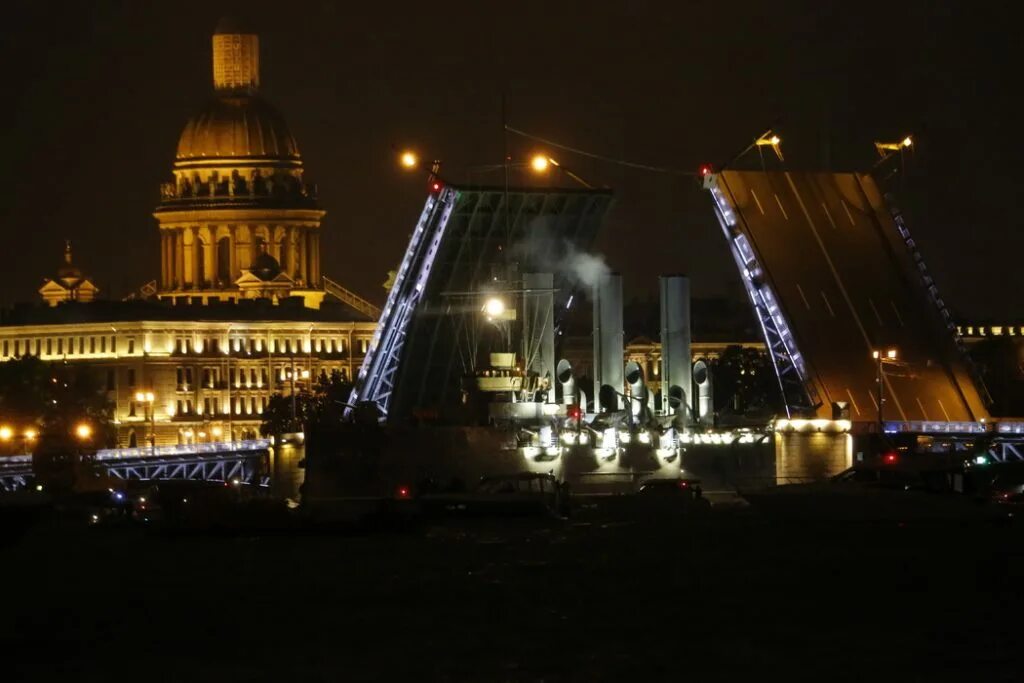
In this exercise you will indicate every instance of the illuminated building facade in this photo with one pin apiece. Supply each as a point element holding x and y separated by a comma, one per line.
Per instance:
<point>240,311</point>
<point>238,219</point>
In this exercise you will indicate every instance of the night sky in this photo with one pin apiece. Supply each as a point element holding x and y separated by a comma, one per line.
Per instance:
<point>96,95</point>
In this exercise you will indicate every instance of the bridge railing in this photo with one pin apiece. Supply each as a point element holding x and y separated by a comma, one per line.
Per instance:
<point>184,449</point>
<point>349,297</point>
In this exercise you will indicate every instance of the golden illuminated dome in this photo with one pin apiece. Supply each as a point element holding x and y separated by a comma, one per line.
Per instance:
<point>237,126</point>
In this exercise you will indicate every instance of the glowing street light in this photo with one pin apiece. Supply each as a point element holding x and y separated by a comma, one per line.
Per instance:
<point>6,433</point>
<point>83,431</point>
<point>882,358</point>
<point>409,160</point>
<point>147,398</point>
<point>540,163</point>
<point>494,308</point>
<point>772,140</point>
<point>31,434</point>
<point>886,148</point>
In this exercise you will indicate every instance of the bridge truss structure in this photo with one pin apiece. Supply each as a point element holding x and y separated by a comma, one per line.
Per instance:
<point>461,237</point>
<point>245,461</point>
<point>834,276</point>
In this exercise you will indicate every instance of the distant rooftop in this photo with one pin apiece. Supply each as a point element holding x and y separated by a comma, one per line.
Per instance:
<point>290,309</point>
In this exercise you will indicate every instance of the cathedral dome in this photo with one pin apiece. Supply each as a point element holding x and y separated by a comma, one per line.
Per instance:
<point>265,267</point>
<point>234,127</point>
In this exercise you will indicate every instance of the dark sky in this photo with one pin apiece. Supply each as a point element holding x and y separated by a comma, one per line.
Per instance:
<point>96,94</point>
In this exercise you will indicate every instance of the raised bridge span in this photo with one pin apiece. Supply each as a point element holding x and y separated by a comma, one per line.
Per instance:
<point>833,275</point>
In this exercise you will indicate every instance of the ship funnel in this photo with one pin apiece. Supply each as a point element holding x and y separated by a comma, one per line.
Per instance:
<point>539,330</point>
<point>608,342</point>
<point>637,389</point>
<point>563,373</point>
<point>705,397</point>
<point>676,379</point>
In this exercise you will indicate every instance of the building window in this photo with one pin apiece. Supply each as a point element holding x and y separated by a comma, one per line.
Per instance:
<point>206,406</point>
<point>60,347</point>
<point>231,377</point>
<point>188,407</point>
<point>179,411</point>
<point>131,408</point>
<point>103,344</point>
<point>81,344</point>
<point>49,347</point>
<point>131,377</point>
<point>252,404</point>
<point>113,344</point>
<point>131,346</point>
<point>188,376</point>
<point>92,344</point>
<point>180,375</point>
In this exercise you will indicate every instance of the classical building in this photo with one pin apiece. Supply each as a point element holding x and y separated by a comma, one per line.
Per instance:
<point>241,309</point>
<point>69,284</point>
<point>238,199</point>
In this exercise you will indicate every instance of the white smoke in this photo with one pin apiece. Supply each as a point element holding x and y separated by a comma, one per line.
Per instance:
<point>546,252</point>
<point>585,268</point>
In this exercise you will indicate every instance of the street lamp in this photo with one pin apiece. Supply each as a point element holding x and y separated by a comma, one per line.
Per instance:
<point>772,140</point>
<point>883,147</point>
<point>540,163</point>
<point>146,398</point>
<point>494,307</point>
<point>409,160</point>
<point>889,356</point>
<point>83,430</point>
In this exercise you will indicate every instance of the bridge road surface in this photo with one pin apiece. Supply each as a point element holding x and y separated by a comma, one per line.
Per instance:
<point>848,286</point>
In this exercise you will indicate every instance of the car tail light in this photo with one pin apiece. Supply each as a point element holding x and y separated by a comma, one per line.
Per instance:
<point>890,458</point>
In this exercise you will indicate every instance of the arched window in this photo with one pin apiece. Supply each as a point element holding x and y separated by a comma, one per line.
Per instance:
<point>133,441</point>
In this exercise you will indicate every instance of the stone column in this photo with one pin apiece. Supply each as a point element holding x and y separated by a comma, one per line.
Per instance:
<point>315,274</point>
<point>233,250</point>
<point>179,258</point>
<point>163,259</point>
<point>289,235</point>
<point>302,255</point>
<point>198,260</point>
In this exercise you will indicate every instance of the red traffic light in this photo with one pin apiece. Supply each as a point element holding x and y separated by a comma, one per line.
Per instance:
<point>403,492</point>
<point>890,458</point>
<point>436,186</point>
<point>706,170</point>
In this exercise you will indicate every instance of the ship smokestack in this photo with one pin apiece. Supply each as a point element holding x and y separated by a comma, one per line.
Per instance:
<point>608,343</point>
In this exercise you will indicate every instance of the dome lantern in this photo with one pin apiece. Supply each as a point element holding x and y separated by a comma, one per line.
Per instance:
<point>236,58</point>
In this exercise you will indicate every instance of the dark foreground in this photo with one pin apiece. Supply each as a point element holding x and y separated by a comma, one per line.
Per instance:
<point>729,597</point>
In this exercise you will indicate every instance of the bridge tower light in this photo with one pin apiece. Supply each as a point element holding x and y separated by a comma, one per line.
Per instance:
<point>884,149</point>
<point>772,140</point>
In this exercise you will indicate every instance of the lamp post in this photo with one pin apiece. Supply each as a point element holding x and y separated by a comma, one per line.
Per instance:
<point>146,398</point>
<point>28,436</point>
<point>889,356</point>
<point>292,375</point>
